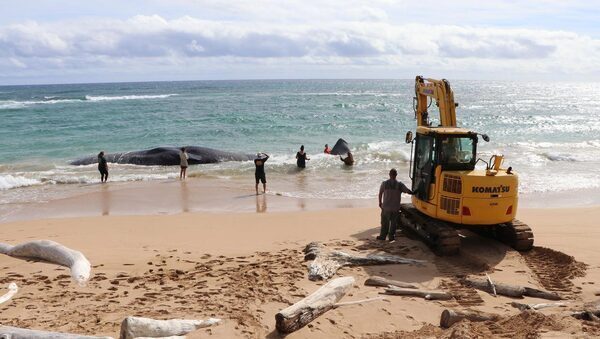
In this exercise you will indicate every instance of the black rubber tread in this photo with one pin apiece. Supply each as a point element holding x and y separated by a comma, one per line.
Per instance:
<point>516,234</point>
<point>438,235</point>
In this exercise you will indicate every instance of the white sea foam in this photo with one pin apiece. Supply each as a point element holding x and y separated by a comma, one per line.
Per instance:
<point>126,97</point>
<point>10,181</point>
<point>14,104</point>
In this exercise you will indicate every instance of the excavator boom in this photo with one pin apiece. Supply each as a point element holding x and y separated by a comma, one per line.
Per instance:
<point>440,91</point>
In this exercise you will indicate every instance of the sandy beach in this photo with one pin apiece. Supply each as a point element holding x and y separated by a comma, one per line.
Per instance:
<point>244,267</point>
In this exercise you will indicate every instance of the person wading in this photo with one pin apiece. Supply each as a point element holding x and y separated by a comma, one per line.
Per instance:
<point>301,158</point>
<point>390,192</point>
<point>349,160</point>
<point>259,173</point>
<point>102,167</point>
<point>183,162</point>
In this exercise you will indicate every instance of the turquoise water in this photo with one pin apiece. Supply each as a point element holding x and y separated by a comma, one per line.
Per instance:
<point>545,130</point>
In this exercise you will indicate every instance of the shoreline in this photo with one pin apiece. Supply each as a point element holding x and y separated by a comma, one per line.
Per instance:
<point>218,195</point>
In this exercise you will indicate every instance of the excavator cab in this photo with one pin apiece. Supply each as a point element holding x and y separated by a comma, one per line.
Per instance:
<point>452,152</point>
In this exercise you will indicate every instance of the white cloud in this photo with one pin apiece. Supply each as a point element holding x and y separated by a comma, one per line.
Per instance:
<point>143,42</point>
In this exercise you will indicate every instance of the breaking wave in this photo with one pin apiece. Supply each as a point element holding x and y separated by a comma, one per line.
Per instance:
<point>10,181</point>
<point>49,100</point>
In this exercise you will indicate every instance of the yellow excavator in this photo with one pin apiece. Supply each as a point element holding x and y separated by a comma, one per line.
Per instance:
<point>450,193</point>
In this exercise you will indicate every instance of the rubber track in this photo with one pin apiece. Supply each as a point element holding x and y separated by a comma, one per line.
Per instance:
<point>515,234</point>
<point>441,237</point>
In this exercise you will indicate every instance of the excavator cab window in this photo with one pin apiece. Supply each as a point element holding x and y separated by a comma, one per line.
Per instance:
<point>424,163</point>
<point>457,152</point>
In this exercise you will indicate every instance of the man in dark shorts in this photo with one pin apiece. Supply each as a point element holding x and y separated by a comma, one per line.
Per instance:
<point>102,167</point>
<point>390,192</point>
<point>259,173</point>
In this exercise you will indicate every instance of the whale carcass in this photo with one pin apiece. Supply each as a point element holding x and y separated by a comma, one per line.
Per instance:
<point>168,156</point>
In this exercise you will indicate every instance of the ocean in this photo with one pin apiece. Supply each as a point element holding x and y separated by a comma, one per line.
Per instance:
<point>548,132</point>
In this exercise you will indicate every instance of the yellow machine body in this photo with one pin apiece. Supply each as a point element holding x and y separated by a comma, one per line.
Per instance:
<point>447,185</point>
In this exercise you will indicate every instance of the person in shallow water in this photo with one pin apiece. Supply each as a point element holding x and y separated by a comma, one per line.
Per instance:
<point>390,192</point>
<point>349,160</point>
<point>259,173</point>
<point>301,158</point>
<point>327,150</point>
<point>102,167</point>
<point>183,157</point>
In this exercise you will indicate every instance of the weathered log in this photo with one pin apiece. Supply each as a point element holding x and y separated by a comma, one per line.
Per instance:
<point>383,282</point>
<point>12,290</point>
<point>509,290</point>
<point>535,293</point>
<point>306,310</point>
<point>135,327</point>
<point>450,317</point>
<point>326,262</point>
<point>429,295</point>
<point>535,307</point>
<point>10,332</point>
<point>53,252</point>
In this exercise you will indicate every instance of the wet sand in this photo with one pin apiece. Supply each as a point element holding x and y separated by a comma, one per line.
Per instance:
<point>244,267</point>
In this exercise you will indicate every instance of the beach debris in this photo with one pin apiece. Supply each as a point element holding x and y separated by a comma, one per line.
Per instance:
<point>450,317</point>
<point>327,262</point>
<point>383,282</point>
<point>508,290</point>
<point>53,252</point>
<point>357,302</point>
<point>10,332</point>
<point>136,327</point>
<point>491,283</point>
<point>535,307</point>
<point>590,312</point>
<point>12,290</point>
<point>306,310</point>
<point>429,295</point>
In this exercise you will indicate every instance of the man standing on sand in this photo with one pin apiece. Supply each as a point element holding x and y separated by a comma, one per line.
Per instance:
<point>259,173</point>
<point>102,167</point>
<point>389,201</point>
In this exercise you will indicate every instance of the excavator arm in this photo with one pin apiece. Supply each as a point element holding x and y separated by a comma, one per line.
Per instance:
<point>444,97</point>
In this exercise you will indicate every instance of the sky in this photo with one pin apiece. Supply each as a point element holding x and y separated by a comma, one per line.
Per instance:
<point>67,41</point>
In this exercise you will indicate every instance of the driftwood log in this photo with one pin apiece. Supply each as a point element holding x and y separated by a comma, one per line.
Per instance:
<point>383,282</point>
<point>450,317</point>
<point>535,307</point>
<point>10,332</point>
<point>12,290</point>
<point>53,252</point>
<point>136,327</point>
<point>306,310</point>
<point>326,262</point>
<point>429,295</point>
<point>509,290</point>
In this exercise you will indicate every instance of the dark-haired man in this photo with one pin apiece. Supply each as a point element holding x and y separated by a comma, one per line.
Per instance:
<point>390,193</point>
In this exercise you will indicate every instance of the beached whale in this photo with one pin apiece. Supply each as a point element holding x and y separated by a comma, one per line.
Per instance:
<point>167,156</point>
<point>341,147</point>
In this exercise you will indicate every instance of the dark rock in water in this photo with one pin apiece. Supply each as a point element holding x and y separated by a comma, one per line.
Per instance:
<point>341,147</point>
<point>167,156</point>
